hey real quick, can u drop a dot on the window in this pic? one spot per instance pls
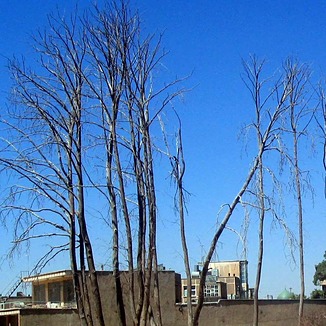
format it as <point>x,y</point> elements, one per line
<point>211,290</point>
<point>39,293</point>
<point>68,292</point>
<point>185,291</point>
<point>54,291</point>
<point>193,291</point>
<point>243,273</point>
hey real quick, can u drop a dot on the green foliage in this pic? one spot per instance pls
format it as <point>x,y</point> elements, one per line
<point>320,273</point>
<point>297,296</point>
<point>317,294</point>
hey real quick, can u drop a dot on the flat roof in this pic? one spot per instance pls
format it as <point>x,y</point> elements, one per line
<point>47,276</point>
<point>9,312</point>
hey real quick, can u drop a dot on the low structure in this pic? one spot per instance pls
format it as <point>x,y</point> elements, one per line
<point>53,301</point>
<point>52,290</point>
<point>18,301</point>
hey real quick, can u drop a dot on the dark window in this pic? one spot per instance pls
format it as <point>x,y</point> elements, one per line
<point>193,291</point>
<point>211,291</point>
<point>54,292</point>
<point>243,273</point>
<point>39,294</point>
<point>68,292</point>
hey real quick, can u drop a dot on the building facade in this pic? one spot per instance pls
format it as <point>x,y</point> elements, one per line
<point>52,289</point>
<point>225,280</point>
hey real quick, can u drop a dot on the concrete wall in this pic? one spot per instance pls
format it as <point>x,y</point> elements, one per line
<point>40,317</point>
<point>170,293</point>
<point>49,317</point>
<point>271,313</point>
<point>225,312</point>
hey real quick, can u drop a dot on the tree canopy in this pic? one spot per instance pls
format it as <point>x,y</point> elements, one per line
<point>320,273</point>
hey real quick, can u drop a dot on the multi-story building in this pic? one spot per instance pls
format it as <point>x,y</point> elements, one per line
<point>225,280</point>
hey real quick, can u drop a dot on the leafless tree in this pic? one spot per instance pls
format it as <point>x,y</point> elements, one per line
<point>93,96</point>
<point>46,154</point>
<point>267,126</point>
<point>256,85</point>
<point>178,170</point>
<point>126,63</point>
<point>321,123</point>
<point>300,116</point>
<point>295,104</point>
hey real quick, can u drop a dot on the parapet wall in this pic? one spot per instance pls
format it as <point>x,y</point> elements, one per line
<point>224,312</point>
<point>271,313</point>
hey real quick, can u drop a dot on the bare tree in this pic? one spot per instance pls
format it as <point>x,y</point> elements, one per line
<point>267,135</point>
<point>268,127</point>
<point>256,84</point>
<point>300,117</point>
<point>253,72</point>
<point>46,153</point>
<point>293,81</point>
<point>321,123</point>
<point>263,99</point>
<point>178,170</point>
<point>92,97</point>
<point>124,64</point>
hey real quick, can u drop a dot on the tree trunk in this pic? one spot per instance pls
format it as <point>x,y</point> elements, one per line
<point>261,244</point>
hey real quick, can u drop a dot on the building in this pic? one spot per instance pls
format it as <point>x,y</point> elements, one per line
<point>235,275</point>
<point>53,301</point>
<point>225,280</point>
<point>286,295</point>
<point>57,311</point>
<point>52,290</point>
<point>323,285</point>
<point>20,300</point>
<point>213,291</point>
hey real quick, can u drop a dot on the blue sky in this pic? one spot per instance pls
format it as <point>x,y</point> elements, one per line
<point>208,40</point>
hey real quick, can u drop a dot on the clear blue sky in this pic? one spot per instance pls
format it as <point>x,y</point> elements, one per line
<point>209,39</point>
